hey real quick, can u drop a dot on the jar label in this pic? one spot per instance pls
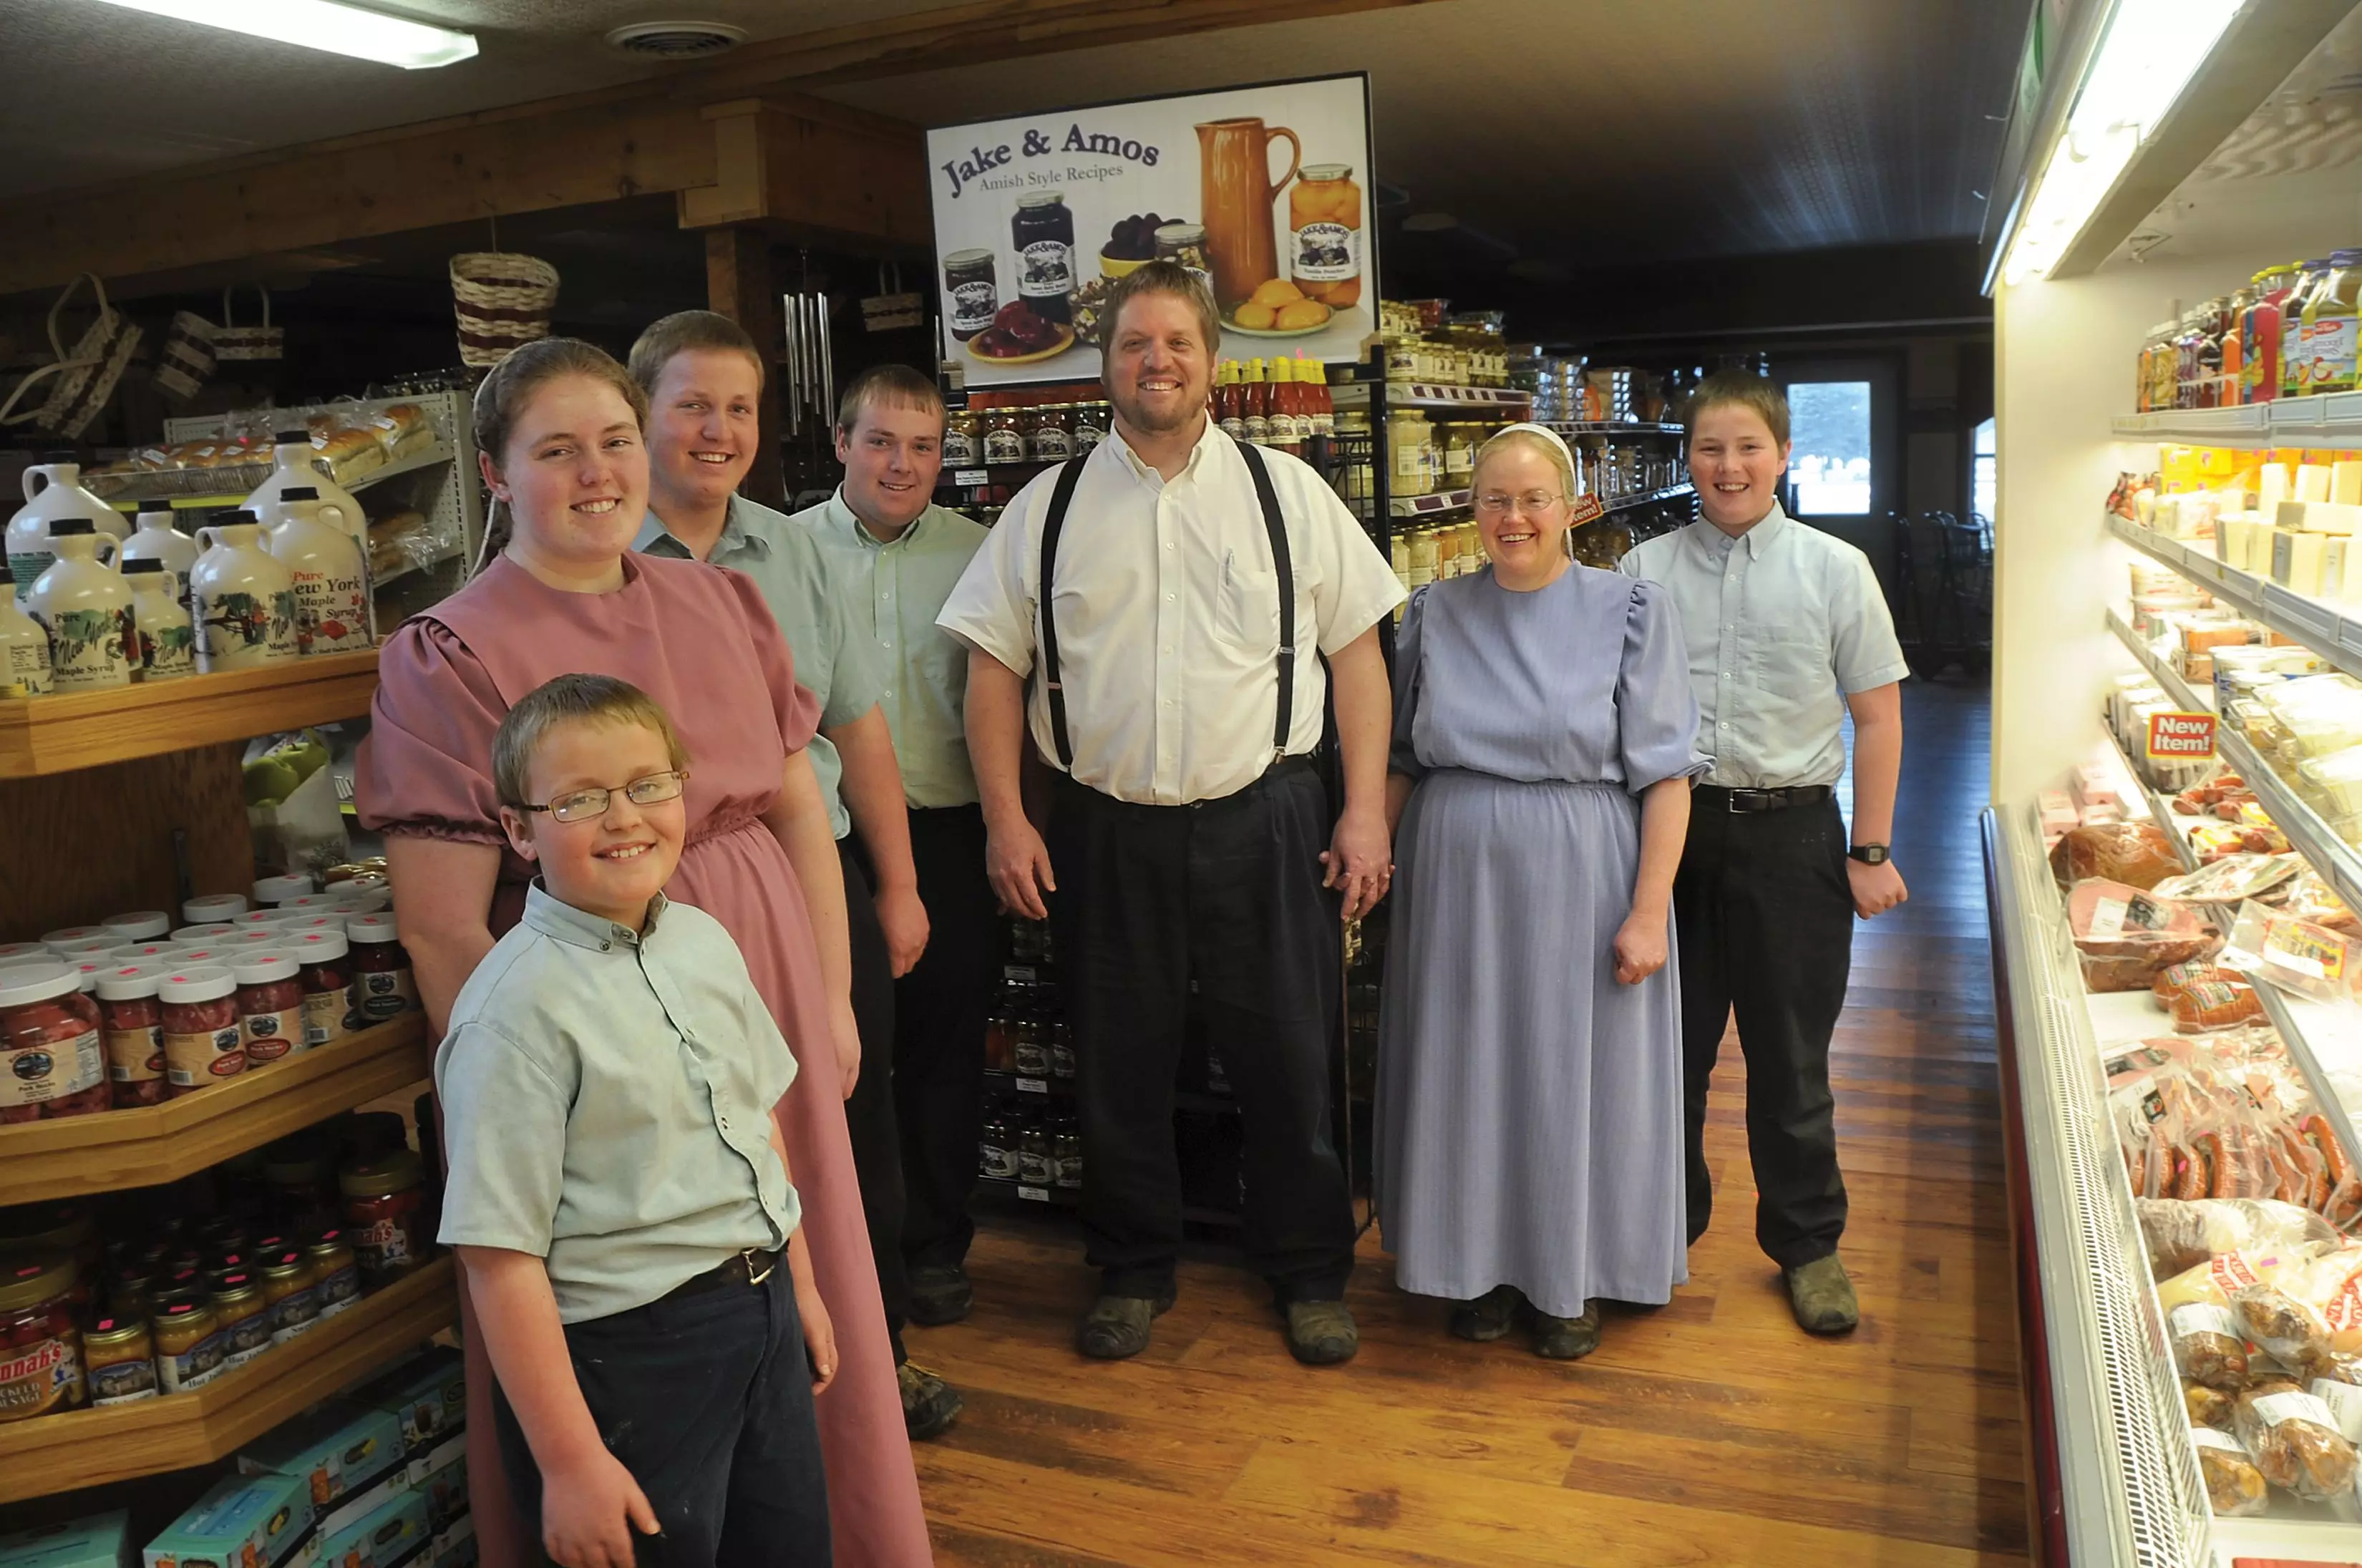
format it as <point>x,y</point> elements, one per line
<point>381,1245</point>
<point>338,1290</point>
<point>1088,437</point>
<point>1410,463</point>
<point>1327,253</point>
<point>123,1381</point>
<point>90,648</point>
<point>1004,446</point>
<point>385,993</point>
<point>38,1377</point>
<point>28,671</point>
<point>135,1055</point>
<point>1286,429</point>
<point>1051,442</point>
<point>974,304</point>
<point>192,1368</point>
<point>331,616</point>
<point>268,1036</point>
<point>246,1339</point>
<point>959,447</point>
<point>52,1069</point>
<point>2329,351</point>
<point>324,1015</point>
<point>1045,269</point>
<point>1034,1170</point>
<point>1235,428</point>
<point>293,1314</point>
<point>194,1060</point>
<point>1258,429</point>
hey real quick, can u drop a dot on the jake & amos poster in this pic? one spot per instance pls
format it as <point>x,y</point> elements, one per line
<point>1262,191</point>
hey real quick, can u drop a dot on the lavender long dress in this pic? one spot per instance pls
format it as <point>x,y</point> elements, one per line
<point>1528,1106</point>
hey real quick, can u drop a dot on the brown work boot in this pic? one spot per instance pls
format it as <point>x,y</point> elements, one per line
<point>930,1405</point>
<point>1322,1334</point>
<point>1117,1327</point>
<point>1567,1338</point>
<point>1490,1316</point>
<point>1822,1297</point>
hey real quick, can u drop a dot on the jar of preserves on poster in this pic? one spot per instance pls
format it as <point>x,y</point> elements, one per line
<point>1324,211</point>
<point>962,438</point>
<point>1185,244</point>
<point>1042,233</point>
<point>971,293</point>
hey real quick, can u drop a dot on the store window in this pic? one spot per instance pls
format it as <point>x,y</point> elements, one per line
<point>1829,467</point>
<point>1984,473</point>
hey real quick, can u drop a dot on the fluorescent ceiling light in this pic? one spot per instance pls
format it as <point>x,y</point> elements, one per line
<point>323,24</point>
<point>2151,51</point>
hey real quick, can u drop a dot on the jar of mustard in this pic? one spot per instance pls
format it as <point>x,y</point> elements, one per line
<point>120,1357</point>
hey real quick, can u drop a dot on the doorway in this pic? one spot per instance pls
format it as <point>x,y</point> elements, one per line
<point>1845,472</point>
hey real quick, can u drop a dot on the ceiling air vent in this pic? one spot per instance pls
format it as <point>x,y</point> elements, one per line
<point>677,40</point>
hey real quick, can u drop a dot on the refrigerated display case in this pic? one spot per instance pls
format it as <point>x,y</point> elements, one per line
<point>2232,146</point>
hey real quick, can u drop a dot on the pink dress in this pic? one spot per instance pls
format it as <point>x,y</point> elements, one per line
<point>701,641</point>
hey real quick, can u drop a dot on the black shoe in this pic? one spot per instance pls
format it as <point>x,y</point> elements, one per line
<point>1322,1334</point>
<point>1567,1338</point>
<point>940,1294</point>
<point>1488,1317</point>
<point>930,1405</point>
<point>1116,1327</point>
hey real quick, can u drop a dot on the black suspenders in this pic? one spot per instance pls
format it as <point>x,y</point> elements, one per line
<point>1062,495</point>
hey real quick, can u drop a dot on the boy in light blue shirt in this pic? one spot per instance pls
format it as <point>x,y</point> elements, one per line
<point>618,1192</point>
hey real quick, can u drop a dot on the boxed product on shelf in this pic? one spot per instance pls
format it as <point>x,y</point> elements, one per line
<point>251,1521</point>
<point>100,1540</point>
<point>456,1547</point>
<point>441,1476</point>
<point>341,1449</point>
<point>388,1537</point>
<point>426,1393</point>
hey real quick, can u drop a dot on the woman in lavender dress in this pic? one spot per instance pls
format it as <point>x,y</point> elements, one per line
<point>1529,1064</point>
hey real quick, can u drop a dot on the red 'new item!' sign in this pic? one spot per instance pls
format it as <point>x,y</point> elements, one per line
<point>2181,737</point>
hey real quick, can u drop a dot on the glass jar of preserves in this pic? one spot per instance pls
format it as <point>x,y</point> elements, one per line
<point>119,1361</point>
<point>335,1272</point>
<point>962,438</point>
<point>998,1155</point>
<point>382,981</point>
<point>1066,1154</point>
<point>1407,442</point>
<point>1324,210</point>
<point>1004,435</point>
<point>51,1044</point>
<point>1183,244</point>
<point>1033,1156</point>
<point>214,908</point>
<point>1033,1047</point>
<point>1092,423</point>
<point>269,1004</point>
<point>324,977</point>
<point>971,293</point>
<point>1049,432</point>
<point>288,1298</point>
<point>41,1373</point>
<point>188,1346</point>
<point>1062,1049</point>
<point>385,1213</point>
<point>242,1318</point>
<point>139,925</point>
<point>1043,234</point>
<point>204,1042</point>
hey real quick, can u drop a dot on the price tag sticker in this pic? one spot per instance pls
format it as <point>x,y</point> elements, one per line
<point>1034,1194</point>
<point>2181,737</point>
<point>971,476</point>
<point>1032,1085</point>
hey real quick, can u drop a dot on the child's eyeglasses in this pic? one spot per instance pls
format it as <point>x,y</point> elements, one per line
<point>584,804</point>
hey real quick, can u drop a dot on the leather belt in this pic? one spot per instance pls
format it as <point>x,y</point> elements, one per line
<point>1715,798</point>
<point>749,1267</point>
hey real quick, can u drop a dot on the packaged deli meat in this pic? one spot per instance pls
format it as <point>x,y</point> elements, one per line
<point>2280,1326</point>
<point>2123,936</point>
<point>2295,954</point>
<point>2326,1283</point>
<point>2310,898</point>
<point>2235,1486</point>
<point>2137,853</point>
<point>2230,880</point>
<point>2207,1347</point>
<point>2186,1236</point>
<point>2295,1440</point>
<point>2210,1407</point>
<point>2214,1004</point>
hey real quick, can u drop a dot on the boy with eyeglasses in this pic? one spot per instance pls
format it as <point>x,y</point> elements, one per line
<point>618,1192</point>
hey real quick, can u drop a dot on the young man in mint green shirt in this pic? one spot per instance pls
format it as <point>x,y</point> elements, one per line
<point>901,555</point>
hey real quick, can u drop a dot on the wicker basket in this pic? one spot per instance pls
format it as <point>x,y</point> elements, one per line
<point>503,301</point>
<point>232,341</point>
<point>186,363</point>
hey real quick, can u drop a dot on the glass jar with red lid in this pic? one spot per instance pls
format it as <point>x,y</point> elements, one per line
<point>132,1019</point>
<point>269,1002</point>
<point>205,1043</point>
<point>51,1044</point>
<point>386,1214</point>
<point>40,1348</point>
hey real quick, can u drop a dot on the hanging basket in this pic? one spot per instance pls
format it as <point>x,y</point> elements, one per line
<point>234,342</point>
<point>503,301</point>
<point>81,381</point>
<point>187,361</point>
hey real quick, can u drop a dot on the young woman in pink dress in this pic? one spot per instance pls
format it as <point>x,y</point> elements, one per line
<point>559,428</point>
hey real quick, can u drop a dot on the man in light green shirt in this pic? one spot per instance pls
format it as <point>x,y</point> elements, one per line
<point>901,555</point>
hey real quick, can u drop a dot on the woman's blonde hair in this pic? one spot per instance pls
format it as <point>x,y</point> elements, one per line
<point>1533,439</point>
<point>502,398</point>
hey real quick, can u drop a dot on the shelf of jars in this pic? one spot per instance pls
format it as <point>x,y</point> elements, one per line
<point>68,1452</point>
<point>1428,395</point>
<point>71,730</point>
<point>1611,427</point>
<point>106,1151</point>
<point>1034,1086</point>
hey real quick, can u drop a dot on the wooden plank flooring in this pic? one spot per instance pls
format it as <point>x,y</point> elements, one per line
<point>1710,1431</point>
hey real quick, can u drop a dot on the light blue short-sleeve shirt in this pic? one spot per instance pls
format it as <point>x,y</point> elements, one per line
<point>607,1100</point>
<point>835,660</point>
<point>1783,623</point>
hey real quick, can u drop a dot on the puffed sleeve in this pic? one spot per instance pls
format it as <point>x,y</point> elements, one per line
<point>1409,685</point>
<point>795,708</point>
<point>1656,711</point>
<point>425,768</point>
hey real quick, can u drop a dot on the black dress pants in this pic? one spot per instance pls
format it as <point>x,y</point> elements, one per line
<point>869,1114</point>
<point>1765,914</point>
<point>939,1019</point>
<point>1226,892</point>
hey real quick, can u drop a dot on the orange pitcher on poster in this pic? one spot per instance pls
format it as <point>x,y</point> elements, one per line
<point>1234,166</point>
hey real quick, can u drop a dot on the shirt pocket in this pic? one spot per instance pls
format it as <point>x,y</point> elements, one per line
<point>1246,610</point>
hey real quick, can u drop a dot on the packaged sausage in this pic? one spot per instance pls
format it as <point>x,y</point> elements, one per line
<point>2291,954</point>
<point>2235,1486</point>
<point>2295,1440</point>
<point>2207,1348</point>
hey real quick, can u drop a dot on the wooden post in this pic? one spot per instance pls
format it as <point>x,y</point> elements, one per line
<point>738,284</point>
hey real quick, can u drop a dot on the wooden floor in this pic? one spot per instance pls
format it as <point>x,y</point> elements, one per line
<point>1710,1431</point>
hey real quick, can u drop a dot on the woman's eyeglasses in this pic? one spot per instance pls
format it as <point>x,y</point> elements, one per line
<point>582,805</point>
<point>1531,503</point>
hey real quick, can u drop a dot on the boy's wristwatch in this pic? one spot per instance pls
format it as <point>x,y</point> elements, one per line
<point>1868,854</point>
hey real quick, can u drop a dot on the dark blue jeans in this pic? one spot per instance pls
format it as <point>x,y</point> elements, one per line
<point>707,1400</point>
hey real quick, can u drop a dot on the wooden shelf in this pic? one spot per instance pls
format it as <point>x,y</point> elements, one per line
<point>77,1155</point>
<point>173,1432</point>
<point>89,729</point>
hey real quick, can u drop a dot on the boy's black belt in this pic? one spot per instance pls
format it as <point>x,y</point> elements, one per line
<point>749,1267</point>
<point>1714,798</point>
